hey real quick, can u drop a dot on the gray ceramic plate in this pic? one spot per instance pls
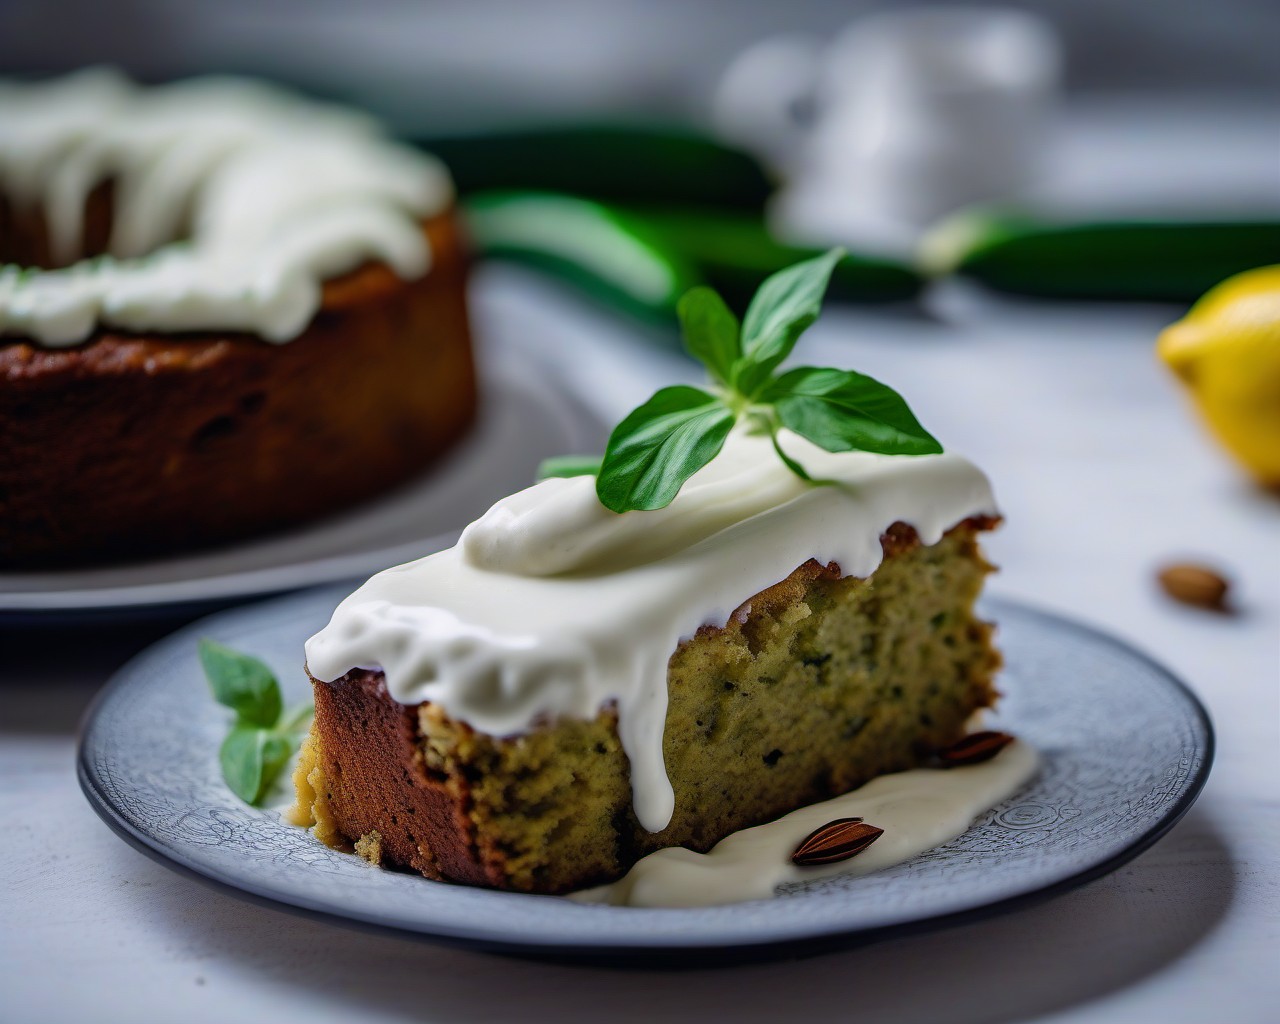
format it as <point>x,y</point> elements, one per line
<point>1126,750</point>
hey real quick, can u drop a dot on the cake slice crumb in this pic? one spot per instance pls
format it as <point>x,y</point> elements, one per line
<point>369,846</point>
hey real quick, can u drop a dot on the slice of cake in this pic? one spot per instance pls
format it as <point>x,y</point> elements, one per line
<point>761,597</point>
<point>499,713</point>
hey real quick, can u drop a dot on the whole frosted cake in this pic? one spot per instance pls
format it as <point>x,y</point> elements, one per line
<point>223,309</point>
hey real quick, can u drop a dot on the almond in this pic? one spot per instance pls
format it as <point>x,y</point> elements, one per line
<point>1195,585</point>
<point>835,841</point>
<point>974,748</point>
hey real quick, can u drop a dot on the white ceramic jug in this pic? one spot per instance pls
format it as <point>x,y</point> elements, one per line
<point>902,118</point>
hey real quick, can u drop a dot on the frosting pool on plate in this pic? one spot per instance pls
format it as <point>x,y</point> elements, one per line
<point>917,809</point>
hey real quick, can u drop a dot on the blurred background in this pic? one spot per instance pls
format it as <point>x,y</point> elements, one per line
<point>1086,102</point>
<point>758,73</point>
<point>623,150</point>
<point>1030,195</point>
<point>1092,166</point>
<point>432,64</point>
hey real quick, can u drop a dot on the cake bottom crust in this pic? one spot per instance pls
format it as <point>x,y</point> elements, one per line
<point>825,682</point>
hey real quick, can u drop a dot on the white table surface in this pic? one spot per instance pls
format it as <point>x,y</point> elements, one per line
<point>1103,476</point>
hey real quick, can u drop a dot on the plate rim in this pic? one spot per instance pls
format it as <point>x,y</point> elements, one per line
<point>658,951</point>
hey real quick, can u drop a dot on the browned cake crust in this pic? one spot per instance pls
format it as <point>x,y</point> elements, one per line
<point>369,757</point>
<point>134,445</point>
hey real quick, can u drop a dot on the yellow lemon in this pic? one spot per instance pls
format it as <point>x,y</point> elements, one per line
<point>1226,350</point>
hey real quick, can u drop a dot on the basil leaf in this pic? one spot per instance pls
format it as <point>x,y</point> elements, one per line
<point>569,465</point>
<point>783,308</point>
<point>276,751</point>
<point>659,446</point>
<point>711,331</point>
<point>242,683</point>
<point>251,759</point>
<point>242,761</point>
<point>841,411</point>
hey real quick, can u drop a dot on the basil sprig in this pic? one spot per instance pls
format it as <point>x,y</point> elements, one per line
<point>679,430</point>
<point>660,445</point>
<point>264,735</point>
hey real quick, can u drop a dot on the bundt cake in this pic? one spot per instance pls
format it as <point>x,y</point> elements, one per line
<point>569,689</point>
<point>224,309</point>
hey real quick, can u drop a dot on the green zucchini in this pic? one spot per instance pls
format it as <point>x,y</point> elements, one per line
<point>642,259</point>
<point>736,252</point>
<point>1139,259</point>
<point>586,244</point>
<point>618,163</point>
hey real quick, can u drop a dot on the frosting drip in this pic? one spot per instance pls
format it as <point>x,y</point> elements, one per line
<point>551,606</point>
<point>275,194</point>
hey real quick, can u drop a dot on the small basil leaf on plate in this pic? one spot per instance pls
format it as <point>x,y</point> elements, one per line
<point>242,761</point>
<point>251,759</point>
<point>659,446</point>
<point>276,751</point>
<point>711,332</point>
<point>569,465</point>
<point>784,307</point>
<point>841,411</point>
<point>242,683</point>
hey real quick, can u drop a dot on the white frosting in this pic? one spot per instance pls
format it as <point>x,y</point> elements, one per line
<point>918,810</point>
<point>279,194</point>
<point>551,606</point>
